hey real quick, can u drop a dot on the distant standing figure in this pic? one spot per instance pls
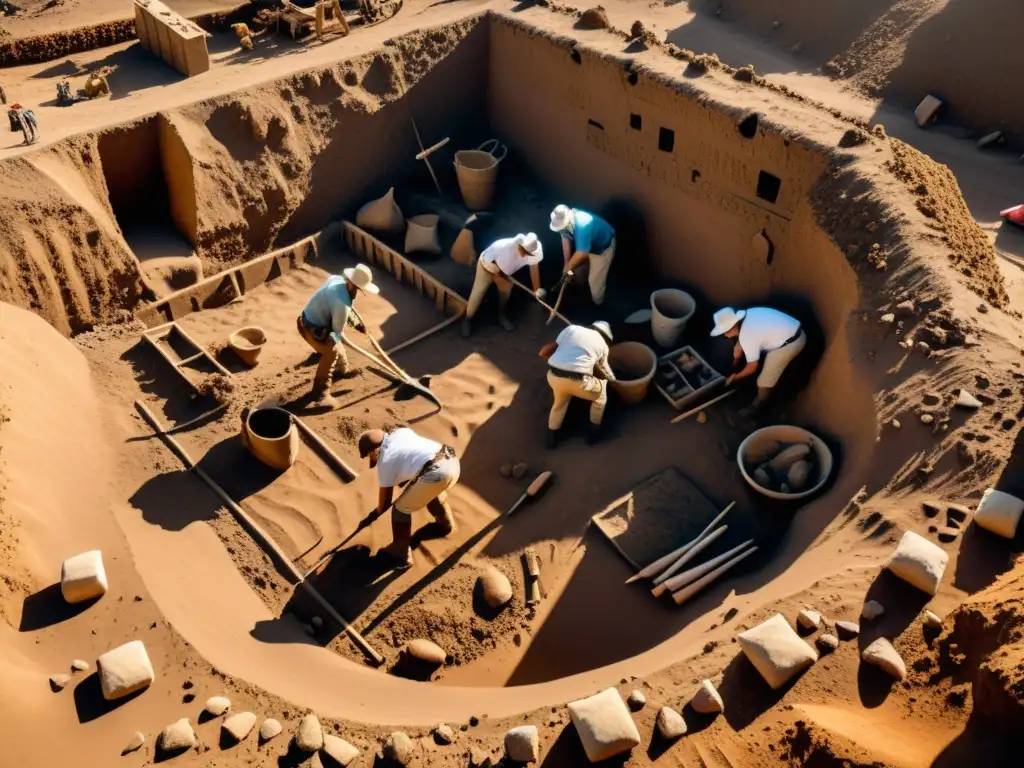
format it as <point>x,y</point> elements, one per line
<point>760,332</point>
<point>426,468</point>
<point>322,323</point>
<point>30,121</point>
<point>588,238</point>
<point>496,264</point>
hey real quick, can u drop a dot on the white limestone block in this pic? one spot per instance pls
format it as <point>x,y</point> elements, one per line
<point>999,513</point>
<point>919,562</point>
<point>604,725</point>
<point>776,650</point>
<point>124,670</point>
<point>83,577</point>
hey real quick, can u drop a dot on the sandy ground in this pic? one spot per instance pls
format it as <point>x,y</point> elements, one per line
<point>39,17</point>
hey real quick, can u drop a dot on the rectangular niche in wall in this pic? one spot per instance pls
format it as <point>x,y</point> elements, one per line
<point>666,139</point>
<point>635,122</point>
<point>768,186</point>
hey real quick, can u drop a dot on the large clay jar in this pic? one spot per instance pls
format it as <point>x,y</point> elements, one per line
<point>270,435</point>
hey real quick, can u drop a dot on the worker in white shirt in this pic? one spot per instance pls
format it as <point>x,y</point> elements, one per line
<point>760,333</point>
<point>322,323</point>
<point>578,367</point>
<point>427,469</point>
<point>496,264</point>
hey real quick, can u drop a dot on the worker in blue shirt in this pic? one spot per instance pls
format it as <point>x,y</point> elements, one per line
<point>586,238</point>
<point>322,323</point>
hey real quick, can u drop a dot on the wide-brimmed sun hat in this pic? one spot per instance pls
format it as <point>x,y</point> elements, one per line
<point>561,218</point>
<point>603,328</point>
<point>362,278</point>
<point>530,243</point>
<point>726,318</point>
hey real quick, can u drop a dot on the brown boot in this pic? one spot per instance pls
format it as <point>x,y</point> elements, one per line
<point>443,517</point>
<point>401,542</point>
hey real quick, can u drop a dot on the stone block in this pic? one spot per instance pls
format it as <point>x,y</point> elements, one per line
<point>83,577</point>
<point>776,650</point>
<point>919,562</point>
<point>124,670</point>
<point>604,725</point>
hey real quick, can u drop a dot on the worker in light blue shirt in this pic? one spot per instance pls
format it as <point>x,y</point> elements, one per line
<point>322,323</point>
<point>586,238</point>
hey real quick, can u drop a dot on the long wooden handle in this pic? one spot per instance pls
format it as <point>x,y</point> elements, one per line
<point>686,593</point>
<point>558,302</point>
<point>543,303</point>
<point>700,408</point>
<point>681,580</point>
<point>659,589</point>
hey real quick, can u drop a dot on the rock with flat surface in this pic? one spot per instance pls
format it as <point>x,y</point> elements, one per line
<point>670,724</point>
<point>480,759</point>
<point>339,751</point>
<point>444,734</point>
<point>919,562</point>
<point>216,706</point>
<point>883,655</point>
<point>124,670</point>
<point>927,110</point>
<point>809,619</point>
<point>776,650</point>
<point>826,642</point>
<point>426,650</point>
<point>270,729</point>
<point>707,700</point>
<point>604,725</point>
<point>636,701</point>
<point>966,400</point>
<point>134,744</point>
<point>399,748</point>
<point>80,666</point>
<point>872,610</point>
<point>59,682</point>
<point>310,736</point>
<point>522,744</point>
<point>83,577</point>
<point>847,629</point>
<point>239,726</point>
<point>177,737</point>
<point>495,587</point>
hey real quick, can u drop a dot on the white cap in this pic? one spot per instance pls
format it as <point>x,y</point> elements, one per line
<point>603,328</point>
<point>561,218</point>
<point>726,319</point>
<point>362,278</point>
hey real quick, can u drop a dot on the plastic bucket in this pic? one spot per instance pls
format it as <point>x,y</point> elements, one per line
<point>670,309</point>
<point>477,173</point>
<point>271,436</point>
<point>760,445</point>
<point>634,365</point>
<point>248,343</point>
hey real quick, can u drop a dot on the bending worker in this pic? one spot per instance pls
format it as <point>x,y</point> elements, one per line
<point>578,367</point>
<point>760,332</point>
<point>585,238</point>
<point>323,322</point>
<point>426,468</point>
<point>496,264</point>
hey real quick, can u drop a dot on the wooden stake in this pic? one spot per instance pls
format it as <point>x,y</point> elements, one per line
<point>661,563</point>
<point>687,592</point>
<point>681,580</point>
<point>424,155</point>
<point>660,588</point>
<point>267,544</point>
<point>700,408</point>
<point>429,332</point>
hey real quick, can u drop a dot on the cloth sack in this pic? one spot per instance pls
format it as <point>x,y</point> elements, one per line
<point>382,214</point>
<point>421,234</point>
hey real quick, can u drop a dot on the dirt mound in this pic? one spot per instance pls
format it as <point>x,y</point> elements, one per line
<point>594,18</point>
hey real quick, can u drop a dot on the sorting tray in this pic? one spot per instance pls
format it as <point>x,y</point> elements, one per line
<point>693,389</point>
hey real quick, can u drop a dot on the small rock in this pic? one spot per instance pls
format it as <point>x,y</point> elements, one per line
<point>444,734</point>
<point>883,655</point>
<point>670,724</point>
<point>426,650</point>
<point>506,469</point>
<point>702,418</point>
<point>989,139</point>
<point>136,742</point>
<point>399,748</point>
<point>847,629</point>
<point>520,469</point>
<point>308,629</point>
<point>930,510</point>
<point>966,400</point>
<point>310,736</point>
<point>339,750</point>
<point>495,587</point>
<point>479,759</point>
<point>58,682</point>
<point>762,478</point>
<point>239,726</point>
<point>798,474</point>
<point>924,348</point>
<point>983,308</point>
<point>888,318</point>
<point>895,423</point>
<point>217,706</point>
<point>707,700</point>
<point>872,610</point>
<point>177,737</point>
<point>808,619</point>
<point>80,666</point>
<point>636,701</point>
<point>827,642</point>
<point>316,622</point>
<point>269,729</point>
<point>927,418</point>
<point>948,534</point>
<point>905,308</point>
<point>522,744</point>
<point>932,621</point>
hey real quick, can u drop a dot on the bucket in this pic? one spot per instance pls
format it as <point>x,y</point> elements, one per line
<point>670,309</point>
<point>271,436</point>
<point>248,343</point>
<point>633,364</point>
<point>762,444</point>
<point>477,172</point>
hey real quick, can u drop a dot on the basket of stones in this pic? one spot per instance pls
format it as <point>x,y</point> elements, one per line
<point>784,462</point>
<point>685,379</point>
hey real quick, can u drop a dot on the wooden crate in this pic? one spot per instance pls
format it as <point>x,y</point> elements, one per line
<point>696,391</point>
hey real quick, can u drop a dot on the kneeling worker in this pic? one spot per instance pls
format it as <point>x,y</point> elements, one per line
<point>322,323</point>
<point>502,259</point>
<point>760,332</point>
<point>427,469</point>
<point>585,238</point>
<point>578,367</point>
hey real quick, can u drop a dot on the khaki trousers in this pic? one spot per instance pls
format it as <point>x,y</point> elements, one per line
<point>430,491</point>
<point>775,362</point>
<point>331,356</point>
<point>481,282</point>
<point>597,278</point>
<point>589,388</point>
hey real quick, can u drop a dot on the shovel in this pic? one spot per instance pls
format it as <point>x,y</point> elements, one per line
<point>566,279</point>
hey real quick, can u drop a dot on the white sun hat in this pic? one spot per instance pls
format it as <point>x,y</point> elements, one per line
<point>726,318</point>
<point>362,278</point>
<point>603,328</point>
<point>561,218</point>
<point>530,243</point>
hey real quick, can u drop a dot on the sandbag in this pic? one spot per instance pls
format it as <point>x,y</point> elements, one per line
<point>421,234</point>
<point>464,249</point>
<point>776,650</point>
<point>382,214</point>
<point>919,562</point>
<point>999,513</point>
